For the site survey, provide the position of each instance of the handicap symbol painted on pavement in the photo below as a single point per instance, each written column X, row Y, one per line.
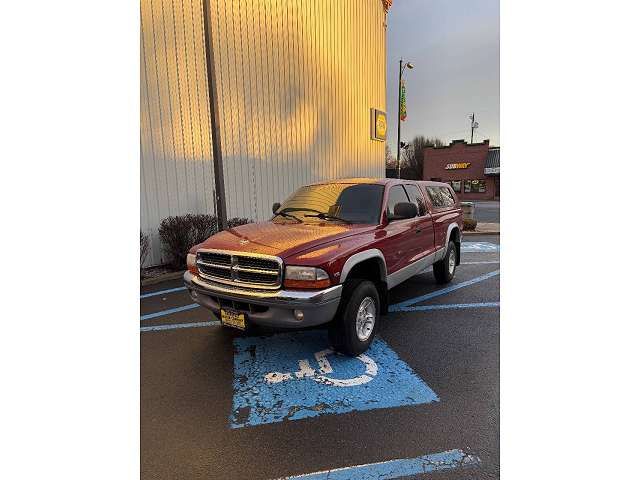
column 482, row 247
column 291, row 376
column 325, row 367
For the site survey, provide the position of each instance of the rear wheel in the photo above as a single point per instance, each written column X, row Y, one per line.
column 445, row 269
column 357, row 320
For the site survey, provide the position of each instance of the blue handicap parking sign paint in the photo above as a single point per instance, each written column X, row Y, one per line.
column 482, row 247
column 291, row 376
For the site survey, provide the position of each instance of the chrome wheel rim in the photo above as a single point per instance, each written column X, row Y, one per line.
column 452, row 261
column 365, row 319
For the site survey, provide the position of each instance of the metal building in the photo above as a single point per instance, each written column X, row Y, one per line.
column 296, row 82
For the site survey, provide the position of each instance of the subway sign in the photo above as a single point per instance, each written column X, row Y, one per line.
column 457, row 166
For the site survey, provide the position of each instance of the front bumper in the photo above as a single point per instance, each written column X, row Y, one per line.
column 268, row 308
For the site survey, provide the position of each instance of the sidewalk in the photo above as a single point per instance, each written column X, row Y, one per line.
column 484, row 229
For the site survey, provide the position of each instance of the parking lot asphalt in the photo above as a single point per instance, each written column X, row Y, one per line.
column 423, row 403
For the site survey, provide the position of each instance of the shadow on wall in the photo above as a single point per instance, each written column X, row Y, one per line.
column 295, row 86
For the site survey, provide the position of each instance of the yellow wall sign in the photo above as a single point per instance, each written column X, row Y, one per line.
column 378, row 125
column 457, row 166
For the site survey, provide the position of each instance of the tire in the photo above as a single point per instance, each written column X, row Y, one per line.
column 445, row 269
column 351, row 331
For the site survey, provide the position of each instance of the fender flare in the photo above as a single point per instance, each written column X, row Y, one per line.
column 359, row 257
column 451, row 228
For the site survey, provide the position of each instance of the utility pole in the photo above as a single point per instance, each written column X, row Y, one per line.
column 218, row 173
column 474, row 124
column 399, row 95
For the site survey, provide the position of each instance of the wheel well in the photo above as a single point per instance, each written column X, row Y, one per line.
column 455, row 238
column 373, row 269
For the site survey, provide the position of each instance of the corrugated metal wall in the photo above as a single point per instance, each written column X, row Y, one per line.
column 175, row 141
column 295, row 82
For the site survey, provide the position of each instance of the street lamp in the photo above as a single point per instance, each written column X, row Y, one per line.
column 408, row 65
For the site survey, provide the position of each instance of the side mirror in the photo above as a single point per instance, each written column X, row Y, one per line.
column 404, row 210
column 275, row 207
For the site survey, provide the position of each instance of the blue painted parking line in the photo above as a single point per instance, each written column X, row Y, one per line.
column 449, row 306
column 412, row 301
column 162, row 292
column 292, row 376
column 402, row 306
column 169, row 311
column 404, row 467
column 417, row 308
column 479, row 247
column 158, row 328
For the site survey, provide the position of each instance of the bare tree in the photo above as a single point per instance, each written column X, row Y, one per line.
column 389, row 159
column 413, row 155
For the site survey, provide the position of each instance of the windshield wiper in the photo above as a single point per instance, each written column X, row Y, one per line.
column 287, row 215
column 326, row 216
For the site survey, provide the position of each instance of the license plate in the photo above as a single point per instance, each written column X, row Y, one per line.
column 232, row 318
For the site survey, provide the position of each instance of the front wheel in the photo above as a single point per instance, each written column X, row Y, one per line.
column 445, row 269
column 358, row 318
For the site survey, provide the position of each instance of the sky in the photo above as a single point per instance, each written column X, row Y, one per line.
column 455, row 48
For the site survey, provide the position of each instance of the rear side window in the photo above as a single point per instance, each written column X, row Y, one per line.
column 396, row 195
column 416, row 197
column 441, row 197
column 450, row 199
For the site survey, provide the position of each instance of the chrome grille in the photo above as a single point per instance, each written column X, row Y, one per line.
column 236, row 268
column 216, row 258
column 258, row 278
column 214, row 271
column 259, row 263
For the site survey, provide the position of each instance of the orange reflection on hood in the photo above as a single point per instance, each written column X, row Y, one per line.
column 320, row 252
column 281, row 239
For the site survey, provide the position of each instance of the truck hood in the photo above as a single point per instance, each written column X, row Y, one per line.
column 280, row 239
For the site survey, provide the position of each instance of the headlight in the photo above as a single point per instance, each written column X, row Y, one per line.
column 305, row 277
column 191, row 263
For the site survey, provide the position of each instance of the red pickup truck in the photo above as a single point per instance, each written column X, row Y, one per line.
column 329, row 254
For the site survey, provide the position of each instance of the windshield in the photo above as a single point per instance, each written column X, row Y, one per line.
column 335, row 202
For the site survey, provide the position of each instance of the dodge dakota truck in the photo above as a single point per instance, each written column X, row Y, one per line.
column 329, row 255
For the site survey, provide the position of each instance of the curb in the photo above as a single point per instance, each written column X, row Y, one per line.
column 468, row 232
column 161, row 278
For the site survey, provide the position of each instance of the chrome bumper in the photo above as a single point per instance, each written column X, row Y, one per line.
column 317, row 306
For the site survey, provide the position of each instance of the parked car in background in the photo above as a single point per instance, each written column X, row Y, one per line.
column 329, row 255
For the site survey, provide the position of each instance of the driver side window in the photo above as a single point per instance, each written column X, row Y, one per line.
column 416, row 197
column 396, row 195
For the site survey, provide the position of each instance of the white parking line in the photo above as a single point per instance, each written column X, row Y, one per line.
column 404, row 467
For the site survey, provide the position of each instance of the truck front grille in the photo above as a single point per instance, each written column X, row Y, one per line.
column 244, row 269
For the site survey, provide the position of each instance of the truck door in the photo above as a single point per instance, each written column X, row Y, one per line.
column 396, row 248
column 422, row 237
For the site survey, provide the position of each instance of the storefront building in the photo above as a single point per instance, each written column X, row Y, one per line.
column 472, row 170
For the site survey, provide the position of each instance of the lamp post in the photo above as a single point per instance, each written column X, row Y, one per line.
column 408, row 65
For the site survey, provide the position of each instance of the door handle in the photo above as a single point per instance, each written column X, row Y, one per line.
column 418, row 230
